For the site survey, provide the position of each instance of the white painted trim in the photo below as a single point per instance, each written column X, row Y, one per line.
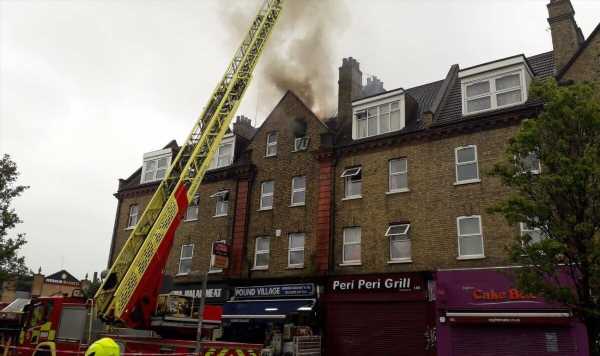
column 391, row 192
column 359, row 243
column 400, row 98
column 347, row 264
column 391, row 174
column 525, row 78
column 298, row 191
column 352, row 197
column 296, row 249
column 377, row 98
column 512, row 61
column 456, row 164
column 458, row 236
column 184, row 258
column 400, row 261
column 263, row 194
column 470, row 257
column 262, row 252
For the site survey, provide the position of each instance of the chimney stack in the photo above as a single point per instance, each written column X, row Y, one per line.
column 566, row 35
column 374, row 86
column 349, row 88
column 243, row 127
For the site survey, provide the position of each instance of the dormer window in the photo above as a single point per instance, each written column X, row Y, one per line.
column 495, row 85
column 378, row 115
column 224, row 155
column 155, row 166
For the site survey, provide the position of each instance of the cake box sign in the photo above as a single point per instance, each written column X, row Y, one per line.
column 276, row 291
column 376, row 283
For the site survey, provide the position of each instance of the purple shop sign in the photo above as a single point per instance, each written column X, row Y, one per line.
column 484, row 289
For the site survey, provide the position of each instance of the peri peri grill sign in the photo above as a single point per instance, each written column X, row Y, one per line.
column 377, row 283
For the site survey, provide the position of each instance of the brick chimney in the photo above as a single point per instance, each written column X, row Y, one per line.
column 243, row 127
column 349, row 88
column 566, row 35
column 374, row 86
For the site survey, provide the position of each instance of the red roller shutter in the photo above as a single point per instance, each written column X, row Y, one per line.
column 512, row 341
column 376, row 329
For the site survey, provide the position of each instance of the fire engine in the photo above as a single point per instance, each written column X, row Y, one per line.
column 128, row 296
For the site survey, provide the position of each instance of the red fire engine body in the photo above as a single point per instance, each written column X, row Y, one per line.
column 62, row 326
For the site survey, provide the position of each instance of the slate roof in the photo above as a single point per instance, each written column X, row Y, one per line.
column 542, row 66
column 58, row 276
column 424, row 95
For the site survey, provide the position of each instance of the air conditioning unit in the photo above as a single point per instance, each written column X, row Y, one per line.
column 301, row 143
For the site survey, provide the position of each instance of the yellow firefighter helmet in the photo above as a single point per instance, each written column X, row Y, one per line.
column 104, row 347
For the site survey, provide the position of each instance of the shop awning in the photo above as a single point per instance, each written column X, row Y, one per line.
column 265, row 309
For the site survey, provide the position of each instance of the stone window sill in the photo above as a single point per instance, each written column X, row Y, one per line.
column 352, row 197
column 260, row 268
column 393, row 262
column 265, row 209
column 471, row 257
column 470, row 181
column 397, row 191
column 219, row 216
column 347, row 264
column 295, row 267
column 297, row 205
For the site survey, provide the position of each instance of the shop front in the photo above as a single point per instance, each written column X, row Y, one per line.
column 379, row 315
column 177, row 310
column 481, row 312
column 281, row 317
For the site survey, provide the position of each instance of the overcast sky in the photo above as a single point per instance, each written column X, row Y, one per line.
column 86, row 87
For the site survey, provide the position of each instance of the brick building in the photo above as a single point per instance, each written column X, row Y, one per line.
column 375, row 212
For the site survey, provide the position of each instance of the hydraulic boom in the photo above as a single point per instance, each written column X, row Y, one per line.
column 129, row 292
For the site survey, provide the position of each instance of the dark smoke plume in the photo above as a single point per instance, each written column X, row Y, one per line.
column 299, row 54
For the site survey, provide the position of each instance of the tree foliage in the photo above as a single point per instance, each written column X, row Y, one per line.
column 11, row 264
column 562, row 203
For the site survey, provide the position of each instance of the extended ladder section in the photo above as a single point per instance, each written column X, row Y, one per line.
column 128, row 293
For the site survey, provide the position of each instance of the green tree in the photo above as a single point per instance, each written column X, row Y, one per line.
column 560, row 206
column 11, row 264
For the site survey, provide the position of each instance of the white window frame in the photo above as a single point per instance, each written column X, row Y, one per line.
column 220, row 156
column 519, row 160
column 468, row 257
column 348, row 174
column 220, row 199
column 375, row 102
column 390, row 234
column 263, row 194
column 210, row 268
column 457, row 164
column 346, row 262
column 301, row 143
column 296, row 249
column 525, row 229
column 195, row 203
column 131, row 221
column 298, row 190
column 491, row 72
column 155, row 156
column 228, row 139
column 271, row 144
column 391, row 174
column 181, row 258
column 261, row 252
